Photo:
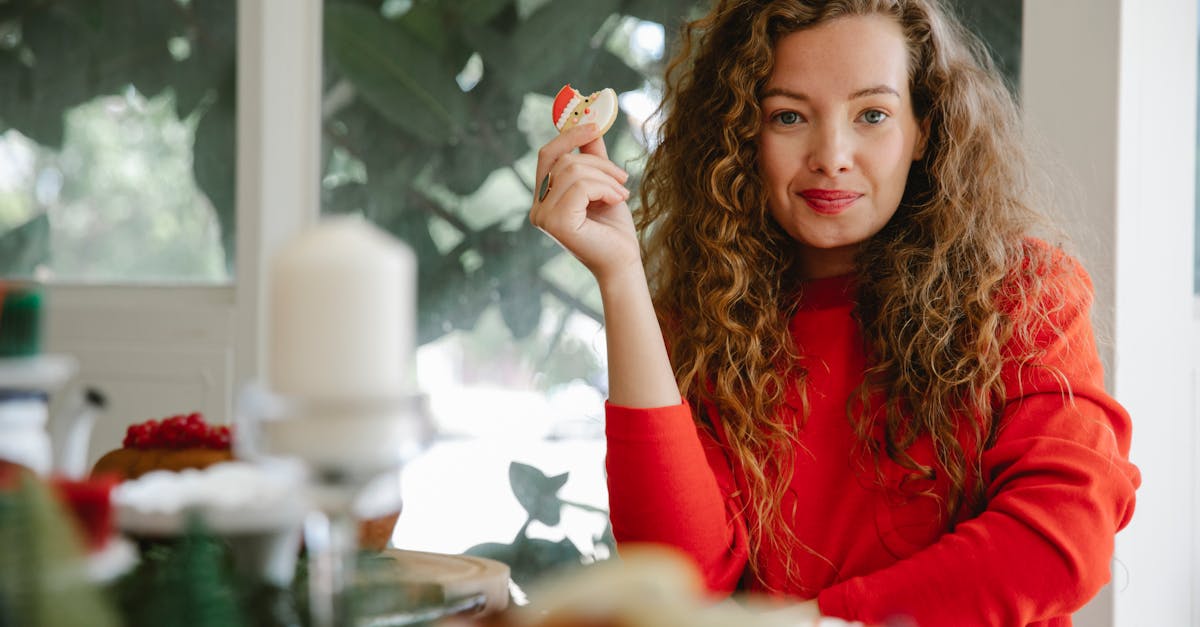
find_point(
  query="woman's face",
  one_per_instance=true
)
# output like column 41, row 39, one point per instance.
column 838, row 137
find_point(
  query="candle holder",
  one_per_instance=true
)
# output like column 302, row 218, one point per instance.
column 343, row 445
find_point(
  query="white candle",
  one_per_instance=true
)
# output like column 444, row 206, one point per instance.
column 342, row 314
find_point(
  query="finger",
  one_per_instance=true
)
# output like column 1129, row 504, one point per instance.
column 564, row 198
column 582, row 164
column 595, row 146
column 575, row 230
column 571, row 168
column 565, row 209
column 566, row 142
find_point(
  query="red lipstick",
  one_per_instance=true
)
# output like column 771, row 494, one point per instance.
column 829, row 201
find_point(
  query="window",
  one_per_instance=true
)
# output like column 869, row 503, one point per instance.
column 117, row 141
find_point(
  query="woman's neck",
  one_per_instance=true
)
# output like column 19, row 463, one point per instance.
column 823, row 263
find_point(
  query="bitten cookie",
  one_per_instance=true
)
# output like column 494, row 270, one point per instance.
column 572, row 108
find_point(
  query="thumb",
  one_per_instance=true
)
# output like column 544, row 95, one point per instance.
column 596, row 145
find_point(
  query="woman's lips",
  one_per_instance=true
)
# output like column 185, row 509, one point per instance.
column 829, row 201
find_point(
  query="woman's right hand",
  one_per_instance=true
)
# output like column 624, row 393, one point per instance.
column 584, row 209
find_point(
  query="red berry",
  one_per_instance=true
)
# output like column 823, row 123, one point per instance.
column 195, row 433
column 130, row 435
column 177, row 431
column 219, row 437
column 144, row 439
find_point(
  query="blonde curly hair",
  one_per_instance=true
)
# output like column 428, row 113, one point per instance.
column 937, row 288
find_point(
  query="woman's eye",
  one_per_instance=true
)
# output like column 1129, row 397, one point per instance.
column 874, row 116
column 787, row 118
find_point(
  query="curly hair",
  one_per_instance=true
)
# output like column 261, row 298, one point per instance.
column 939, row 289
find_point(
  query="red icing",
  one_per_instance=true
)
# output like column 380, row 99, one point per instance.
column 562, row 99
column 89, row 502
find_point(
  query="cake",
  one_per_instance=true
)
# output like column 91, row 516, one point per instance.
column 186, row 441
column 174, row 443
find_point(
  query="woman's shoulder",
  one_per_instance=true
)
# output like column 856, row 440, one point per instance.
column 1047, row 271
column 1048, row 291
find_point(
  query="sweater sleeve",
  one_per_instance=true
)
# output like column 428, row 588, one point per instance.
column 1059, row 486
column 667, row 484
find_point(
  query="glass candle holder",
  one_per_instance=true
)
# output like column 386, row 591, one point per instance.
column 343, row 446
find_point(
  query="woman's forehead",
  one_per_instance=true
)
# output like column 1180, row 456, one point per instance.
column 843, row 56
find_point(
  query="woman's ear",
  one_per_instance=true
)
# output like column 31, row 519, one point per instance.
column 922, row 139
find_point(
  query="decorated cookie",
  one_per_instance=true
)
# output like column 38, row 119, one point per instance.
column 572, row 108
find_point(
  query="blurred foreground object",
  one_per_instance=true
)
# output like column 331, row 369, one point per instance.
column 342, row 313
column 44, row 580
column 342, row 310
column 647, row 586
column 20, row 319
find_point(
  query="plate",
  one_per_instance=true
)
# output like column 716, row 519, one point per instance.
column 456, row 576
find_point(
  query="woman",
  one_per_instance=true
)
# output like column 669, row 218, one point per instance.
column 861, row 380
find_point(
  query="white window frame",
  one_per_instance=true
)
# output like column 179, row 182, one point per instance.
column 279, row 152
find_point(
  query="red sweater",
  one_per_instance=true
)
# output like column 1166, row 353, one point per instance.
column 1059, row 486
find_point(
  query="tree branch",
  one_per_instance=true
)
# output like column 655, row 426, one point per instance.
column 568, row 299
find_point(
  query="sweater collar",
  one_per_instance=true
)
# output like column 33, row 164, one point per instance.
column 826, row 293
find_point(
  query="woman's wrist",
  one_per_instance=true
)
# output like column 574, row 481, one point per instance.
column 622, row 279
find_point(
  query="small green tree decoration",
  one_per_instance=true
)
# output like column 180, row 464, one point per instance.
column 185, row 583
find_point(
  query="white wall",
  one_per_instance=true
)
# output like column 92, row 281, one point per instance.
column 1110, row 86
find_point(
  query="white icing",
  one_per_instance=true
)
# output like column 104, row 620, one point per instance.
column 229, row 486
column 230, row 497
column 602, row 111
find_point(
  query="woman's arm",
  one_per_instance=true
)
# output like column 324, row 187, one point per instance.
column 639, row 371
column 667, row 482
column 585, row 211
column 1059, row 486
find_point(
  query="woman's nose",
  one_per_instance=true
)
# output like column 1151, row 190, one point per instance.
column 831, row 152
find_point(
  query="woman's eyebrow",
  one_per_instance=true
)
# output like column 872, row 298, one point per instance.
column 781, row 91
column 862, row 93
column 875, row 91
